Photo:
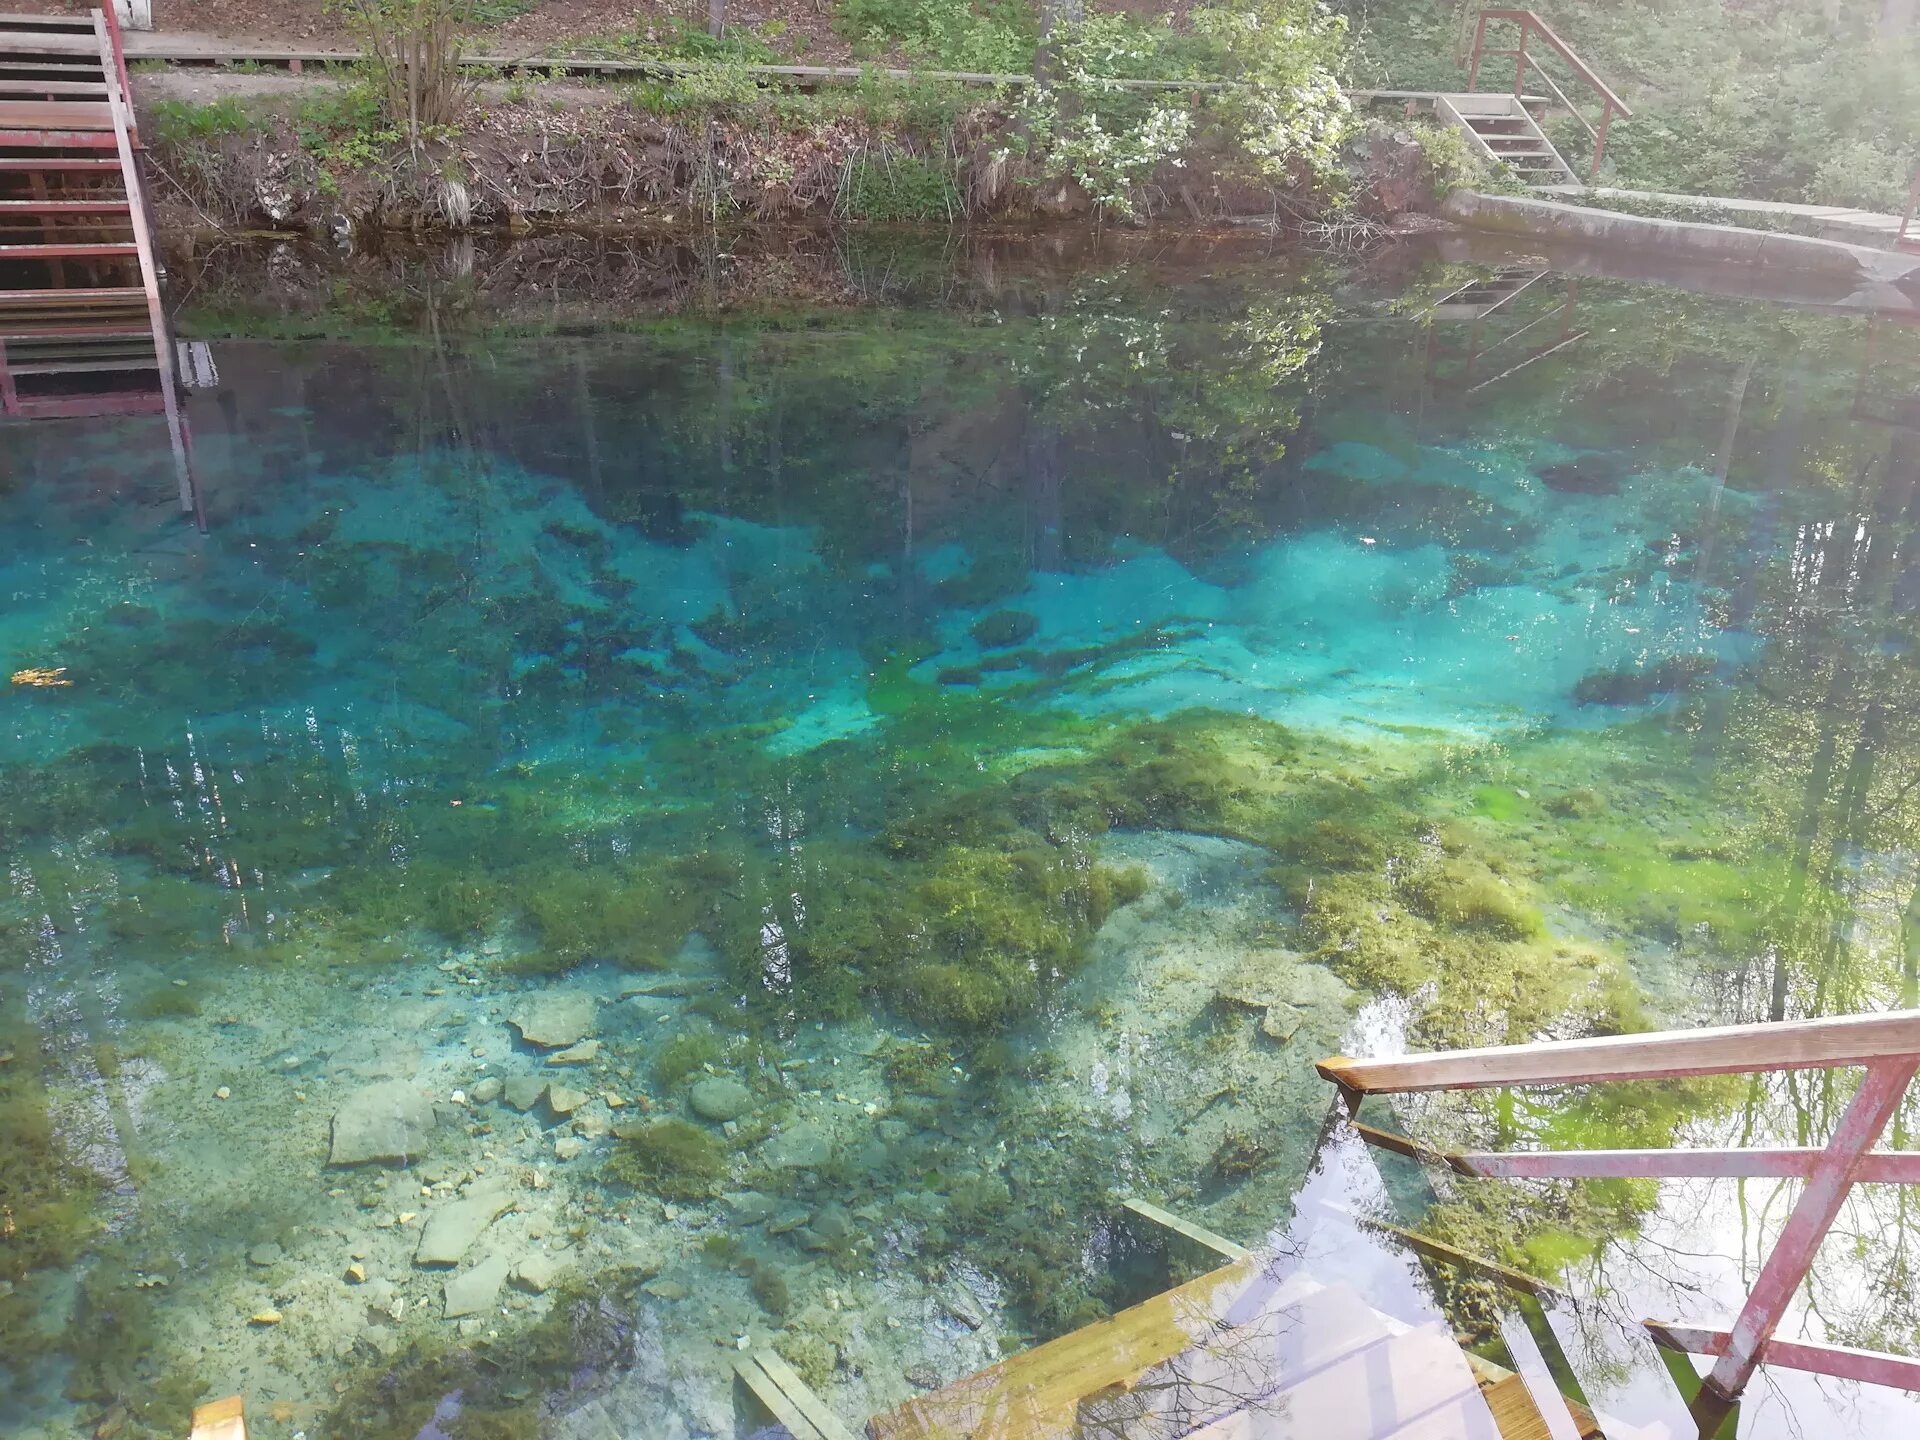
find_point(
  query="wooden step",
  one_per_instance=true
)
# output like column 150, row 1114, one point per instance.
column 48, row 42
column 55, row 115
column 15, row 332
column 25, row 164
column 65, row 207
column 85, row 367
column 81, row 23
column 69, row 252
column 99, row 295
column 53, row 87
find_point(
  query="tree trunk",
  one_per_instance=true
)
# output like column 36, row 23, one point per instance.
column 1058, row 15
column 716, row 17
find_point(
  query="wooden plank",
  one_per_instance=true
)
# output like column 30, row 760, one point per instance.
column 22, row 42
column 756, row 1379
column 68, row 252
column 1445, row 1254
column 1187, row 1230
column 79, row 23
column 221, row 1420
column 1414, row 1386
column 55, row 115
column 1723, row 1050
column 824, row 1423
column 64, row 207
column 22, row 164
column 53, row 87
column 1038, row 1390
column 80, row 298
column 86, row 367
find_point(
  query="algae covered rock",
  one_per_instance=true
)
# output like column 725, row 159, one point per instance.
column 1004, row 628
column 555, row 1018
column 388, row 1121
column 720, row 1098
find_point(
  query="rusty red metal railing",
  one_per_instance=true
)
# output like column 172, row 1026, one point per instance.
column 1531, row 25
column 1887, row 1045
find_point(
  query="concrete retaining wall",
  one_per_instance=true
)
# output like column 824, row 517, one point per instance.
column 1724, row 244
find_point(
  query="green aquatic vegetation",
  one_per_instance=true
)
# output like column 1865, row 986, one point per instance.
column 669, row 1158
column 1004, row 629
column 684, row 1055
column 168, row 1003
column 1636, row 685
column 1465, row 894
column 46, row 1198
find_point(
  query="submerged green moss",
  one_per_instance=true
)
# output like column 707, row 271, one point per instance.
column 670, row 1158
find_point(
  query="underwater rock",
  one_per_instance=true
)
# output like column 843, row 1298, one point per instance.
column 486, row 1091
column 555, row 1019
column 1598, row 473
column 832, row 1229
column 960, row 1304
column 585, row 1053
column 667, row 1290
column 474, row 1290
column 535, row 1273
column 1004, row 628
column 523, row 1092
column 386, row 1121
column 804, row 1147
column 564, row 1100
column 750, row 1207
column 1635, row 686
column 568, row 1147
column 453, row 1228
column 791, row 1218
column 720, row 1098
column 1281, row 1022
column 267, row 1254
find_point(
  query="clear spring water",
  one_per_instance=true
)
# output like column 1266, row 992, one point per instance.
column 793, row 809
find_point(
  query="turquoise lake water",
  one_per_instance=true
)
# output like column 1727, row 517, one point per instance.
column 642, row 829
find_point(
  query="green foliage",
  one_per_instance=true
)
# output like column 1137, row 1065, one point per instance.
column 896, row 186
column 182, row 122
column 995, row 37
column 670, row 1158
column 346, row 127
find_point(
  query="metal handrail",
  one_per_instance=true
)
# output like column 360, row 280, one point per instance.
column 1531, row 24
column 1887, row 1045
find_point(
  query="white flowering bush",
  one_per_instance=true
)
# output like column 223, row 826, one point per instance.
column 1252, row 79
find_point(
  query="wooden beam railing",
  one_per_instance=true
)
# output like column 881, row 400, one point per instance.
column 1531, row 25
column 1887, row 1045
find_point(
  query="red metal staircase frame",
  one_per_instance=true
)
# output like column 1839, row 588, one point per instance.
column 1887, row 1045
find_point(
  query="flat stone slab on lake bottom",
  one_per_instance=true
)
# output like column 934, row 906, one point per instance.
column 387, row 1121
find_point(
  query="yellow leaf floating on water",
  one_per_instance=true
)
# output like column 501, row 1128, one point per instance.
column 41, row 679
